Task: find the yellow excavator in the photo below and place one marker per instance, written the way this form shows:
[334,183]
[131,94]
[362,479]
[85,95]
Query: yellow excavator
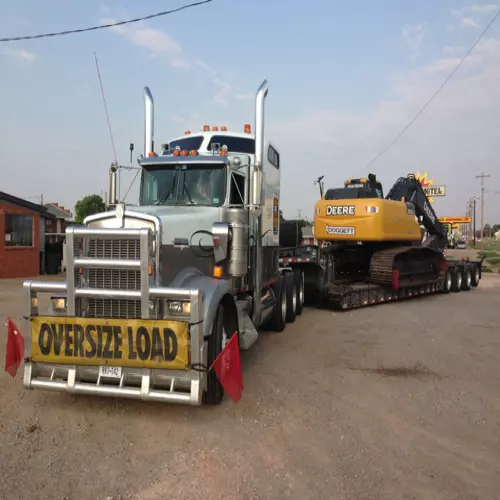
[380,238]
[370,248]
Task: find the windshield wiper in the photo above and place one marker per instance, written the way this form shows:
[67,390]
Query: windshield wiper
[164,198]
[186,190]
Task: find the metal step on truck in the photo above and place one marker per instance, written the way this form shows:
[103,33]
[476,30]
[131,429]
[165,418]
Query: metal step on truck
[371,249]
[154,292]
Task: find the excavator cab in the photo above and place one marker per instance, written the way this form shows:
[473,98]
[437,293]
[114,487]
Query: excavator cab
[357,189]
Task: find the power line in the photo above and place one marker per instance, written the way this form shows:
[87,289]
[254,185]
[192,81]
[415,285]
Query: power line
[424,107]
[103,26]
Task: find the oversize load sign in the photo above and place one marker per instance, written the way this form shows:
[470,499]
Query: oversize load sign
[431,191]
[94,341]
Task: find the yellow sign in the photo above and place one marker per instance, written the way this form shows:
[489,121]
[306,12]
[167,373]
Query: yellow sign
[115,342]
[429,189]
[455,220]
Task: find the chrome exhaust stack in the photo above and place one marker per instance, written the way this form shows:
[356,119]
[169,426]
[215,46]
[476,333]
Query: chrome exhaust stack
[257,198]
[149,136]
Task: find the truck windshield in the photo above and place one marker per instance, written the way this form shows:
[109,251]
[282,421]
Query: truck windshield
[192,184]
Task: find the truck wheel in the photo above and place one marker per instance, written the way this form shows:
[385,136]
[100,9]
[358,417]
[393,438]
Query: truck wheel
[476,276]
[456,281]
[278,318]
[291,297]
[447,282]
[467,280]
[299,290]
[216,342]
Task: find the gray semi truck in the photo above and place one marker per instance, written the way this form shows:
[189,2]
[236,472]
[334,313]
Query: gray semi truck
[154,292]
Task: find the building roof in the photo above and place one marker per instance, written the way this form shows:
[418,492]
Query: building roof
[58,212]
[20,202]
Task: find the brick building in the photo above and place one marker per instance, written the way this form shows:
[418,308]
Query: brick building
[55,229]
[22,236]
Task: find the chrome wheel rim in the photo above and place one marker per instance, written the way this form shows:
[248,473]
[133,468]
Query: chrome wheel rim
[301,291]
[283,306]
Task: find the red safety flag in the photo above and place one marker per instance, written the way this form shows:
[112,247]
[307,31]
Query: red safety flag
[14,352]
[228,369]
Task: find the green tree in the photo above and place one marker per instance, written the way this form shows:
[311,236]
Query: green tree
[89,205]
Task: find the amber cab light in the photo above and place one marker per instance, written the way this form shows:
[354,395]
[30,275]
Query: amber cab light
[218,272]
[248,128]
[187,132]
[184,152]
[152,154]
[150,270]
[223,153]
[176,152]
[215,128]
[206,128]
[223,129]
[193,152]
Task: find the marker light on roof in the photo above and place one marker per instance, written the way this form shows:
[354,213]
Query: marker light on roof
[193,152]
[206,128]
[152,154]
[223,153]
[223,129]
[215,129]
[176,152]
[184,152]
[187,132]
[248,128]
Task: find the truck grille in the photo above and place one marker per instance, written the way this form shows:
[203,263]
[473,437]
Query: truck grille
[112,278]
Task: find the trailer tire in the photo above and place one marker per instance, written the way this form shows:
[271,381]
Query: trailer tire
[456,280]
[476,276]
[216,342]
[278,317]
[467,280]
[299,290]
[291,297]
[447,282]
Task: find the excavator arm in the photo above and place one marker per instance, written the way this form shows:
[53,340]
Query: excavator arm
[410,190]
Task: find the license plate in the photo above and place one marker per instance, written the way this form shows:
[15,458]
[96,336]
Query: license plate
[110,371]
[111,344]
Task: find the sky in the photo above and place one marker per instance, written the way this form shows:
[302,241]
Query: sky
[345,77]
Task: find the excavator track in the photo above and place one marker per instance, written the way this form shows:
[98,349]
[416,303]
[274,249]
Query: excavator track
[415,265]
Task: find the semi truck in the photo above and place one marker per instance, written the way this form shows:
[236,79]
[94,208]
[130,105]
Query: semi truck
[154,292]
[370,248]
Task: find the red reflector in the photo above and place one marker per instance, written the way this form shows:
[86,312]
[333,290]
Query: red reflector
[294,259]
[395,279]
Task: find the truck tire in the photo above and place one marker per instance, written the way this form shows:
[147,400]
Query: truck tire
[299,290]
[216,342]
[447,282]
[456,280]
[466,280]
[476,276]
[291,297]
[278,317]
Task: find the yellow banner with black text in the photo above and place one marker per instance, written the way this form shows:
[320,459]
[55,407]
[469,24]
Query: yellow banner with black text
[115,342]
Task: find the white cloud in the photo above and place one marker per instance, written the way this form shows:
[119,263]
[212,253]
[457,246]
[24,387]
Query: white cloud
[473,15]
[20,54]
[454,139]
[468,21]
[413,38]
[162,45]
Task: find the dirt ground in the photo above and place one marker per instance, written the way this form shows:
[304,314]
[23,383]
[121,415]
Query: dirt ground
[398,401]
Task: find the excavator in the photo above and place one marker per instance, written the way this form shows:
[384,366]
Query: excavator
[373,249]
[381,238]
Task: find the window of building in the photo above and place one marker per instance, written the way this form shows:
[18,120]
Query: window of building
[18,230]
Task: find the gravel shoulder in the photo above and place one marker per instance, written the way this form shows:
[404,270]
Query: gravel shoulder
[398,401]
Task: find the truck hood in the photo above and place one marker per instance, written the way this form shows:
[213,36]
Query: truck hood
[182,222]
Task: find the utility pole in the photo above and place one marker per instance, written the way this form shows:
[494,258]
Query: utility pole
[482,177]
[299,212]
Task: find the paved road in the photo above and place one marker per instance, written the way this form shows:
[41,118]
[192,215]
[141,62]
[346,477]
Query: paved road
[398,401]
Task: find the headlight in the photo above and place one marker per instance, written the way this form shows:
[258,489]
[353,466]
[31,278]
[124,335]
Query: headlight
[58,304]
[178,307]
